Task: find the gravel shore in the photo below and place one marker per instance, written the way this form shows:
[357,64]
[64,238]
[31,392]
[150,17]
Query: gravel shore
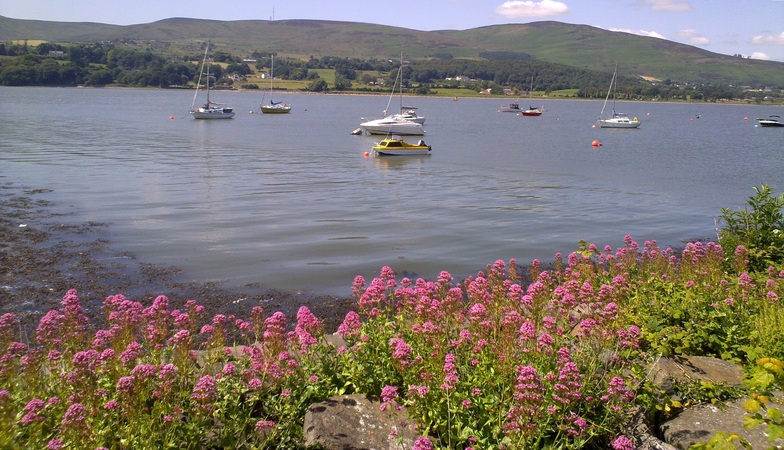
[43,254]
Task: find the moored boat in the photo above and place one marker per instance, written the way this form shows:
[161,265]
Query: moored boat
[616,120]
[209,110]
[274,107]
[772,121]
[405,123]
[512,107]
[395,146]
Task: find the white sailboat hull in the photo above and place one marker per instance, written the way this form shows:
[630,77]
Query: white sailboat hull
[619,122]
[213,113]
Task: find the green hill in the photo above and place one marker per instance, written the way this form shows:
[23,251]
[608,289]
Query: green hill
[580,46]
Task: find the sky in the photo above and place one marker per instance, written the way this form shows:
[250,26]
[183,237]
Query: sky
[751,28]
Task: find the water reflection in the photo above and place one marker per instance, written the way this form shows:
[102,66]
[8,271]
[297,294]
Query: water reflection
[399,162]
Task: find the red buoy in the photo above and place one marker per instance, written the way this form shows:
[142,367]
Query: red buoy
[596,144]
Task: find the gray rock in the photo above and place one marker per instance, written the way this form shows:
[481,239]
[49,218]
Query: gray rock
[667,371]
[698,424]
[352,422]
[701,423]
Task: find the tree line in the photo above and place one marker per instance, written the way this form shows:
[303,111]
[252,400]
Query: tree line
[95,64]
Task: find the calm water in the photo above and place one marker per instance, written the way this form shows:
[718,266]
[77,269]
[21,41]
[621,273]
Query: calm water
[291,201]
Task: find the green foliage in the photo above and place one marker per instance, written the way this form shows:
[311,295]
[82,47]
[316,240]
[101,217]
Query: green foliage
[759,229]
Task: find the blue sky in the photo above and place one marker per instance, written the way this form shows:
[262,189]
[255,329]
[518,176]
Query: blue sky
[752,28]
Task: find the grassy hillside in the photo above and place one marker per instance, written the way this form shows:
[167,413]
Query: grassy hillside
[581,46]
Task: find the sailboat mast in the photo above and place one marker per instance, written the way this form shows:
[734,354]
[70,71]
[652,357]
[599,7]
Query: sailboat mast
[206,61]
[609,90]
[272,73]
[201,71]
[400,110]
[615,86]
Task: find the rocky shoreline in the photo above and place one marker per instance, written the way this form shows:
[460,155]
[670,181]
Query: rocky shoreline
[43,254]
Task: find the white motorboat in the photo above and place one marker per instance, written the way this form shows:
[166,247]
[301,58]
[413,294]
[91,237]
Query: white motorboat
[393,125]
[772,121]
[405,123]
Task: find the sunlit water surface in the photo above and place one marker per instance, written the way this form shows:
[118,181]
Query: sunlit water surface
[292,202]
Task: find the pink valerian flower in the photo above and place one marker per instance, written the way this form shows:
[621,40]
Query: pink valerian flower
[444,278]
[373,297]
[263,426]
[275,328]
[569,385]
[126,385]
[358,287]
[103,338]
[422,443]
[73,311]
[49,328]
[9,324]
[132,351]
[450,373]
[545,340]
[619,390]
[16,349]
[578,425]
[75,417]
[527,331]
[400,350]
[144,371]
[623,443]
[418,391]
[86,360]
[54,444]
[351,325]
[205,391]
[479,291]
[229,370]
[180,338]
[307,326]
[629,338]
[388,394]
[32,410]
[477,313]
[111,405]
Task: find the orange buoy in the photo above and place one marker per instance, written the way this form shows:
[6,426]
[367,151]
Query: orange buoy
[367,154]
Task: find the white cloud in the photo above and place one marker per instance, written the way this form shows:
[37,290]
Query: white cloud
[517,9]
[669,5]
[694,37]
[639,32]
[760,55]
[775,39]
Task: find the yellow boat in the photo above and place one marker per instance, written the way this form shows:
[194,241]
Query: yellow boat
[395,146]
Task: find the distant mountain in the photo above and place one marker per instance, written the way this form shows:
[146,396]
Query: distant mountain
[580,46]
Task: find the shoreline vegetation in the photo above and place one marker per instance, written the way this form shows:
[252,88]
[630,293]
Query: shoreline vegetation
[475,95]
[540,356]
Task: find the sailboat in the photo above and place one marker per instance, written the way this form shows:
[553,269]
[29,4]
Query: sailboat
[532,111]
[274,107]
[617,120]
[405,123]
[209,110]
